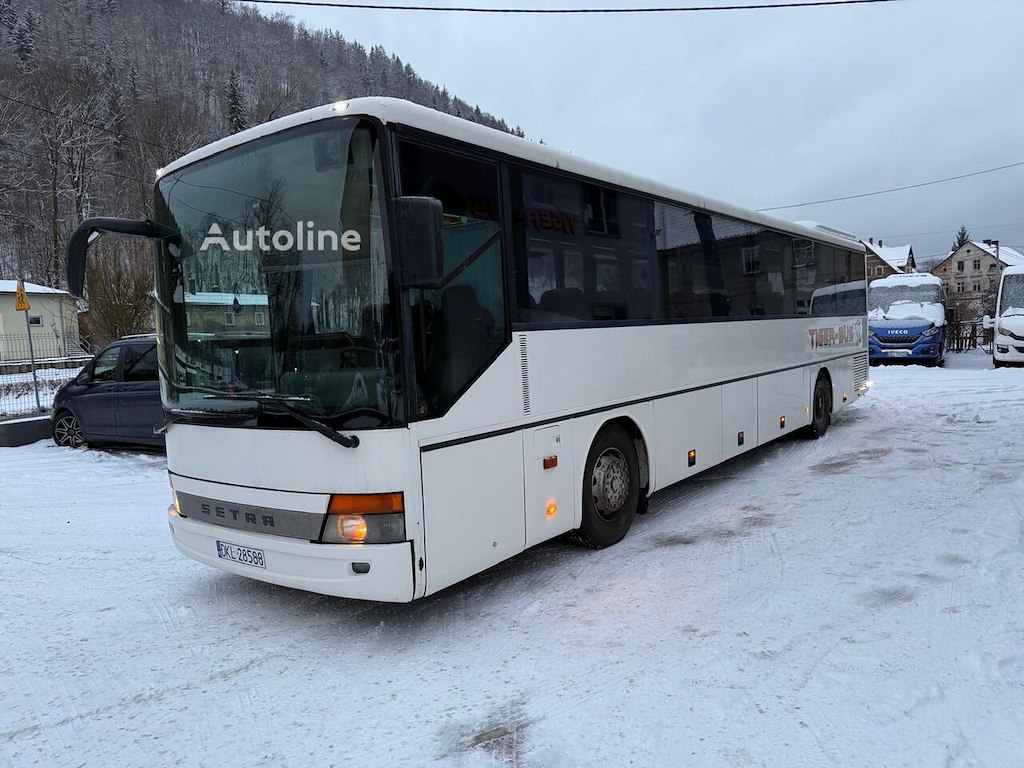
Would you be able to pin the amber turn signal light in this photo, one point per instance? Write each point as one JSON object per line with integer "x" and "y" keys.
{"x": 366, "y": 503}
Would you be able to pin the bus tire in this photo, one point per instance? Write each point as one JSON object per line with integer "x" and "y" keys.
{"x": 821, "y": 408}
{"x": 611, "y": 489}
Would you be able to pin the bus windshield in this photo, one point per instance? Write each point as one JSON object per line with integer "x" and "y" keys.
{"x": 884, "y": 298}
{"x": 1011, "y": 301}
{"x": 278, "y": 287}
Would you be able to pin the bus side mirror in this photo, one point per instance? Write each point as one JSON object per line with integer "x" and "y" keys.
{"x": 90, "y": 229}
{"x": 420, "y": 250}
{"x": 986, "y": 322}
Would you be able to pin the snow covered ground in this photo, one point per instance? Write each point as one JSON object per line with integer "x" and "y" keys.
{"x": 855, "y": 601}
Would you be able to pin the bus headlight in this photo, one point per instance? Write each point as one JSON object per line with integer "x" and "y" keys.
{"x": 931, "y": 331}
{"x": 377, "y": 518}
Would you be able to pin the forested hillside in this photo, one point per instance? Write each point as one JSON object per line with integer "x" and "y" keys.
{"x": 97, "y": 94}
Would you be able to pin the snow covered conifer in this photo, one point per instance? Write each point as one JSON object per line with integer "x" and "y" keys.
{"x": 25, "y": 38}
{"x": 962, "y": 238}
{"x": 235, "y": 104}
{"x": 8, "y": 18}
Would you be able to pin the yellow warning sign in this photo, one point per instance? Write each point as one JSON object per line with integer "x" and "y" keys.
{"x": 20, "y": 299}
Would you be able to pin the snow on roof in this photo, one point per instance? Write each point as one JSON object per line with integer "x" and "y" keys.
{"x": 1015, "y": 270}
{"x": 10, "y": 286}
{"x": 811, "y": 224}
{"x": 896, "y": 256}
{"x": 903, "y": 278}
{"x": 1008, "y": 256}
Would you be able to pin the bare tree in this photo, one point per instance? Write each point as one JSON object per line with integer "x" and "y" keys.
{"x": 111, "y": 90}
{"x": 120, "y": 291}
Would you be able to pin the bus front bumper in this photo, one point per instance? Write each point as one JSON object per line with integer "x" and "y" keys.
{"x": 373, "y": 572}
{"x": 1008, "y": 350}
{"x": 923, "y": 351}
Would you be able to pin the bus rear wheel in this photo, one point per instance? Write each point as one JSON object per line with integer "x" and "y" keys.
{"x": 821, "y": 408}
{"x": 611, "y": 489}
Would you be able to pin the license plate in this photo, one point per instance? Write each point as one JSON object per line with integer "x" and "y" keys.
{"x": 899, "y": 353}
{"x": 243, "y": 555}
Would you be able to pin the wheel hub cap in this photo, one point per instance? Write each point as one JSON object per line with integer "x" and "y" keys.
{"x": 610, "y": 482}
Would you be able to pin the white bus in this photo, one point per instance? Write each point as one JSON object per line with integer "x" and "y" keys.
{"x": 1008, "y": 325}
{"x": 460, "y": 344}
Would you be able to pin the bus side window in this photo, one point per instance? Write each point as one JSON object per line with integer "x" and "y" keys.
{"x": 460, "y": 328}
{"x": 584, "y": 252}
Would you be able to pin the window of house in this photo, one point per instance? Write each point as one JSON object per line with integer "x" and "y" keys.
{"x": 229, "y": 318}
{"x": 976, "y": 265}
{"x": 803, "y": 252}
{"x": 959, "y": 266}
{"x": 959, "y": 287}
{"x": 751, "y": 260}
{"x": 976, "y": 287}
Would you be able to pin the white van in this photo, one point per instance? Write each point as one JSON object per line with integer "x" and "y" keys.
{"x": 1008, "y": 340}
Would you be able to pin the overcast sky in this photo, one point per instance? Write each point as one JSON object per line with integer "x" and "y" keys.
{"x": 761, "y": 108}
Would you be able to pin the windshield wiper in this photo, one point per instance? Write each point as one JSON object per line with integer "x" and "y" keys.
{"x": 285, "y": 402}
{"x": 386, "y": 419}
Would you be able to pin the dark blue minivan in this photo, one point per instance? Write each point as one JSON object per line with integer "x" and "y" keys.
{"x": 115, "y": 399}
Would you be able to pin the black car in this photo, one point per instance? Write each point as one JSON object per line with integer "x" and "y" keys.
{"x": 115, "y": 399}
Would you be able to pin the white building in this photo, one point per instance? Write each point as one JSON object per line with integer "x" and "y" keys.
{"x": 52, "y": 318}
{"x": 884, "y": 260}
{"x": 971, "y": 273}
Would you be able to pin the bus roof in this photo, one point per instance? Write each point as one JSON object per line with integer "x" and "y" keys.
{"x": 829, "y": 290}
{"x": 400, "y": 112}
{"x": 902, "y": 278}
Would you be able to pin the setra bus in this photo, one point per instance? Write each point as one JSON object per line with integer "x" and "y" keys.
{"x": 397, "y": 348}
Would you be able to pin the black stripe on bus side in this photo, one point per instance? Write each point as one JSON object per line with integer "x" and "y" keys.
{"x": 625, "y": 404}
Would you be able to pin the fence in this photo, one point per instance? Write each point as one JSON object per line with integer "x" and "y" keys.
{"x": 57, "y": 359}
{"x": 14, "y": 347}
{"x": 962, "y": 336}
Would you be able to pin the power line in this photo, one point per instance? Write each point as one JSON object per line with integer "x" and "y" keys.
{"x": 660, "y": 9}
{"x": 92, "y": 125}
{"x": 895, "y": 189}
{"x": 86, "y": 167}
{"x": 945, "y": 231}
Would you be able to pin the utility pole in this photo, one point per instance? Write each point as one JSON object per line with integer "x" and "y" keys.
{"x": 21, "y": 305}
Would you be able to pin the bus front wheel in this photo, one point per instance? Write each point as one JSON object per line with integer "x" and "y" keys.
{"x": 611, "y": 489}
